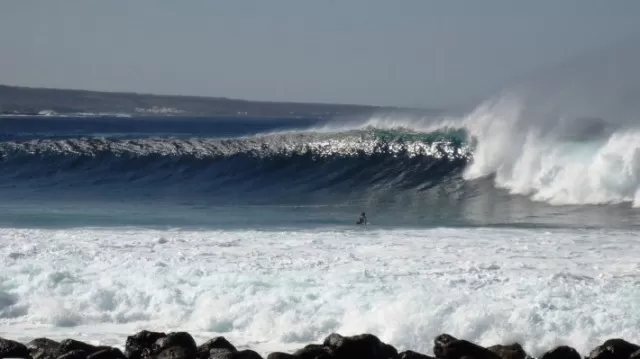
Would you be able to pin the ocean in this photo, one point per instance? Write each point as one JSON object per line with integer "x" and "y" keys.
{"x": 488, "y": 229}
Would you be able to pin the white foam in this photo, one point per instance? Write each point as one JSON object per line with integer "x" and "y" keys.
{"x": 281, "y": 290}
{"x": 545, "y": 167}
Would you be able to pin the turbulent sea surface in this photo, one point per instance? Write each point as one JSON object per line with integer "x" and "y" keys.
{"x": 485, "y": 227}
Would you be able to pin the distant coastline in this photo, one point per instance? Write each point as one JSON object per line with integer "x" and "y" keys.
{"x": 30, "y": 101}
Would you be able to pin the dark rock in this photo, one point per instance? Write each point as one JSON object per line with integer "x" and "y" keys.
{"x": 561, "y": 352}
{"x": 314, "y": 351}
{"x": 245, "y": 354}
{"x": 409, "y": 354}
{"x": 511, "y": 351}
{"x": 74, "y": 354}
{"x": 220, "y": 353}
{"x": 227, "y": 354}
{"x": 440, "y": 342}
{"x": 459, "y": 348}
{"x": 279, "y": 355}
{"x": 12, "y": 349}
{"x": 43, "y": 348}
{"x": 613, "y": 349}
{"x": 635, "y": 355}
{"x": 216, "y": 343}
{"x": 109, "y": 353}
{"x": 311, "y": 351}
{"x": 176, "y": 353}
{"x": 137, "y": 343}
{"x": 69, "y": 345}
{"x": 175, "y": 339}
{"x": 364, "y": 346}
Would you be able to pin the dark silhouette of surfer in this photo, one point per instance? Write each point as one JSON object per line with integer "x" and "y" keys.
{"x": 362, "y": 219}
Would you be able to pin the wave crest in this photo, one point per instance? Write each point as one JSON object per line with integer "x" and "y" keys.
{"x": 309, "y": 160}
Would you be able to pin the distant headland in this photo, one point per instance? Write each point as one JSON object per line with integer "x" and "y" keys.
{"x": 15, "y": 100}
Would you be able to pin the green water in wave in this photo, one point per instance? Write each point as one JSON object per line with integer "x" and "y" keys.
{"x": 457, "y": 137}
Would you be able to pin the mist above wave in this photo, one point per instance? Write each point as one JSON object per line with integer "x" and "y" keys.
{"x": 567, "y": 135}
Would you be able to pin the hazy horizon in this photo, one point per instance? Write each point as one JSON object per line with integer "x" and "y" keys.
{"x": 409, "y": 54}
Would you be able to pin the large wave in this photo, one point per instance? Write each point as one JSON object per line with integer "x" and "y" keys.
{"x": 568, "y": 135}
{"x": 558, "y": 158}
{"x": 299, "y": 162}
{"x": 572, "y": 160}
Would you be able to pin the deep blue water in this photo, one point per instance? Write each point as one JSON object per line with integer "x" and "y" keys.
{"x": 40, "y": 127}
{"x": 252, "y": 173}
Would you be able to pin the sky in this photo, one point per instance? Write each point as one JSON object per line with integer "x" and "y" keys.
{"x": 420, "y": 53}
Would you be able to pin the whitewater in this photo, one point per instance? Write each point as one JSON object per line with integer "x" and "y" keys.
{"x": 274, "y": 290}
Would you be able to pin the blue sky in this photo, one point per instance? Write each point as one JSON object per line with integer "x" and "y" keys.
{"x": 406, "y": 53}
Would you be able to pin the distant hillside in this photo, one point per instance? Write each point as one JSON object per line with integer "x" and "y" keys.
{"x": 15, "y": 99}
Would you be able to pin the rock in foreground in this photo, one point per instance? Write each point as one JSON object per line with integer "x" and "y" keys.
{"x": 181, "y": 345}
{"x": 12, "y": 349}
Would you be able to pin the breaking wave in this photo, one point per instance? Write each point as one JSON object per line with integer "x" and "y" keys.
{"x": 572, "y": 161}
{"x": 567, "y": 135}
{"x": 560, "y": 158}
{"x": 302, "y": 162}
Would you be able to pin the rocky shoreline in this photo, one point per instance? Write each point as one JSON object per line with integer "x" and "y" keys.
{"x": 181, "y": 345}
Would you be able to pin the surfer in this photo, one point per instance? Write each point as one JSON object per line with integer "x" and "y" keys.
{"x": 362, "y": 219}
